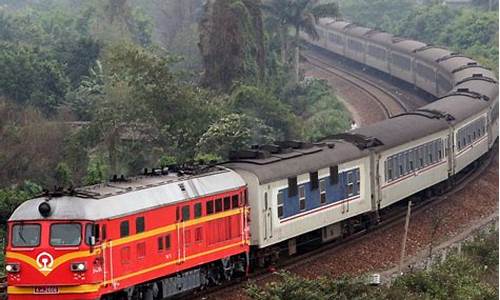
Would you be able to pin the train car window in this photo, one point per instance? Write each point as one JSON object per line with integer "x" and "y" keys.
{"x": 350, "y": 184}
{"x": 26, "y": 235}
{"x": 227, "y": 203}
{"x": 266, "y": 202}
{"x": 376, "y": 52}
{"x": 236, "y": 201}
{"x": 334, "y": 175}
{"x": 91, "y": 230}
{"x": 218, "y": 205}
{"x": 125, "y": 255}
{"x": 68, "y": 234}
{"x": 167, "y": 242}
{"x": 401, "y": 162}
{"x": 302, "y": 197}
{"x": 411, "y": 160}
{"x": 313, "y": 177}
{"x": 402, "y": 62}
{"x": 292, "y": 186}
{"x": 104, "y": 233}
{"x": 160, "y": 243}
{"x": 177, "y": 214}
{"x": 124, "y": 229}
{"x": 281, "y": 201}
{"x": 389, "y": 169}
{"x": 141, "y": 250}
{"x": 245, "y": 197}
{"x": 210, "y": 207}
{"x": 140, "y": 225}
{"x": 407, "y": 162}
{"x": 358, "y": 182}
{"x": 322, "y": 191}
{"x": 198, "y": 235}
{"x": 186, "y": 213}
{"x": 197, "y": 210}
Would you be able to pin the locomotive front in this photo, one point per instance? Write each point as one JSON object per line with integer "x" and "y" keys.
{"x": 51, "y": 258}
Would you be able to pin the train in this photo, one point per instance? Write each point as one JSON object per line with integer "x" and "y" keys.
{"x": 170, "y": 231}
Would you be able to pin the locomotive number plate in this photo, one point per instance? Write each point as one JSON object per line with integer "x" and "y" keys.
{"x": 46, "y": 290}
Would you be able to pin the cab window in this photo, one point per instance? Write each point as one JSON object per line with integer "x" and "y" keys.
{"x": 26, "y": 235}
{"x": 65, "y": 234}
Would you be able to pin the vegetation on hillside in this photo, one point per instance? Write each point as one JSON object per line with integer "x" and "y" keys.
{"x": 471, "y": 275}
{"x": 472, "y": 30}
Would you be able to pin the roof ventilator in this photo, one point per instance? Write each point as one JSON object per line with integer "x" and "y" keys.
{"x": 426, "y": 47}
{"x": 358, "y": 140}
{"x": 477, "y": 77}
{"x": 450, "y": 56}
{"x": 428, "y": 113}
{"x": 468, "y": 66}
{"x": 468, "y": 93}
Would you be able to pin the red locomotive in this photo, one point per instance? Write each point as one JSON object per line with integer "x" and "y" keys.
{"x": 147, "y": 238}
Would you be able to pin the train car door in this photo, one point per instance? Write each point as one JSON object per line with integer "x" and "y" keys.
{"x": 268, "y": 222}
{"x": 183, "y": 237}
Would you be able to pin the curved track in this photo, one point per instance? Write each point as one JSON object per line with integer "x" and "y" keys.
{"x": 387, "y": 102}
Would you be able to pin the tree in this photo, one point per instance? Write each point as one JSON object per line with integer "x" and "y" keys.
{"x": 29, "y": 77}
{"x": 302, "y": 15}
{"x": 232, "y": 43}
{"x": 278, "y": 12}
{"x": 234, "y": 132}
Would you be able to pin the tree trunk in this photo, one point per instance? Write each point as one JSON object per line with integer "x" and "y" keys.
{"x": 283, "y": 45}
{"x": 297, "y": 54}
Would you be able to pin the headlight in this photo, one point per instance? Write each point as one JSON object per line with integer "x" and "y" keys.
{"x": 78, "y": 266}
{"x": 12, "y": 267}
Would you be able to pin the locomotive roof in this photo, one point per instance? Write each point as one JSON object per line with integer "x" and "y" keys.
{"x": 298, "y": 162}
{"x": 113, "y": 200}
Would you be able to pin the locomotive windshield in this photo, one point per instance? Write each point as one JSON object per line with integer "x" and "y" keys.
{"x": 26, "y": 235}
{"x": 65, "y": 234}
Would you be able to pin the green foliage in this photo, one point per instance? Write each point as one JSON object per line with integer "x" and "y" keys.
{"x": 471, "y": 31}
{"x": 234, "y": 132}
{"x": 166, "y": 160}
{"x": 207, "y": 158}
{"x": 97, "y": 171}
{"x": 484, "y": 250}
{"x": 12, "y": 197}
{"x": 292, "y": 287}
{"x": 29, "y": 78}
{"x": 259, "y": 103}
{"x": 63, "y": 175}
{"x": 474, "y": 275}
{"x": 231, "y": 43}
{"x": 376, "y": 13}
{"x": 457, "y": 278}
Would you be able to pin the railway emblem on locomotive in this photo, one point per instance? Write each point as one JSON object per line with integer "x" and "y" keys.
{"x": 45, "y": 261}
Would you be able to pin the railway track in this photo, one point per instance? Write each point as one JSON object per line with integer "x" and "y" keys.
{"x": 394, "y": 217}
{"x": 389, "y": 103}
